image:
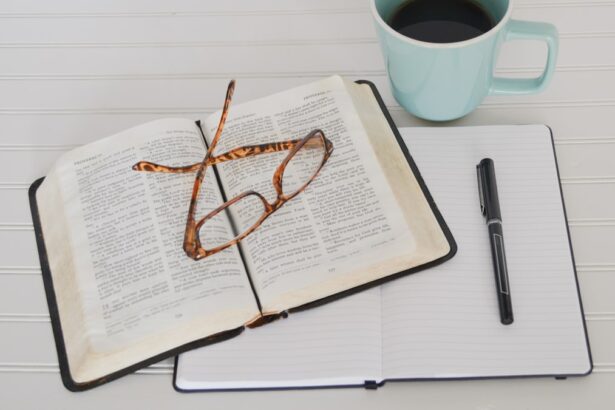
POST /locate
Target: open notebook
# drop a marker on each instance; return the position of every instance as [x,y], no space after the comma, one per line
[443,323]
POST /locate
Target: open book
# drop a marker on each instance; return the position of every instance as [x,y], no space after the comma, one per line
[441,324]
[123,294]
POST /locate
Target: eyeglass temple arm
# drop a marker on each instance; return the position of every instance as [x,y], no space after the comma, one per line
[192,245]
[237,153]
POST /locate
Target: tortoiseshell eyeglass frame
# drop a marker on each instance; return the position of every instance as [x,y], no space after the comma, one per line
[192,242]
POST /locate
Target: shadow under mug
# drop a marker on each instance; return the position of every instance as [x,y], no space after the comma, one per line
[445,81]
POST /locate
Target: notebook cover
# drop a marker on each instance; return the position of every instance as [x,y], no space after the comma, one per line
[369,384]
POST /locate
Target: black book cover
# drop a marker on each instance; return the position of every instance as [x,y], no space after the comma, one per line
[72,385]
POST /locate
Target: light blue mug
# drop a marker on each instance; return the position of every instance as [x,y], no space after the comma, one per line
[444,81]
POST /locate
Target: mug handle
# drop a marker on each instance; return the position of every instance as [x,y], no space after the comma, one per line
[528,30]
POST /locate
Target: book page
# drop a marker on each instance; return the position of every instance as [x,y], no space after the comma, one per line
[138,293]
[445,322]
[339,232]
[334,345]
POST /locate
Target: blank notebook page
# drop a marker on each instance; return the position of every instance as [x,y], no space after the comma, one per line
[444,322]
[335,344]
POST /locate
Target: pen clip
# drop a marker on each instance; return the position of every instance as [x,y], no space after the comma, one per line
[481,194]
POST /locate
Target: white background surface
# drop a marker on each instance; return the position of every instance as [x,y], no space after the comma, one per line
[71,73]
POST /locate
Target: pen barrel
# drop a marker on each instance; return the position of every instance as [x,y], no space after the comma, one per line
[500,269]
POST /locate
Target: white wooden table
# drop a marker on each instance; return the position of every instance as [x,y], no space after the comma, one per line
[71,73]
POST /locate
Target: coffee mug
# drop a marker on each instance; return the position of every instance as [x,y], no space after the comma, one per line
[444,81]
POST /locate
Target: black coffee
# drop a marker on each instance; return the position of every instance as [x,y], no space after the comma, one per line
[441,21]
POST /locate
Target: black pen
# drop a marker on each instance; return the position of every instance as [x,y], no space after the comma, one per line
[490,207]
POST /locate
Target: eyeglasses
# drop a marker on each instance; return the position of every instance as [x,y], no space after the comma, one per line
[305,159]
